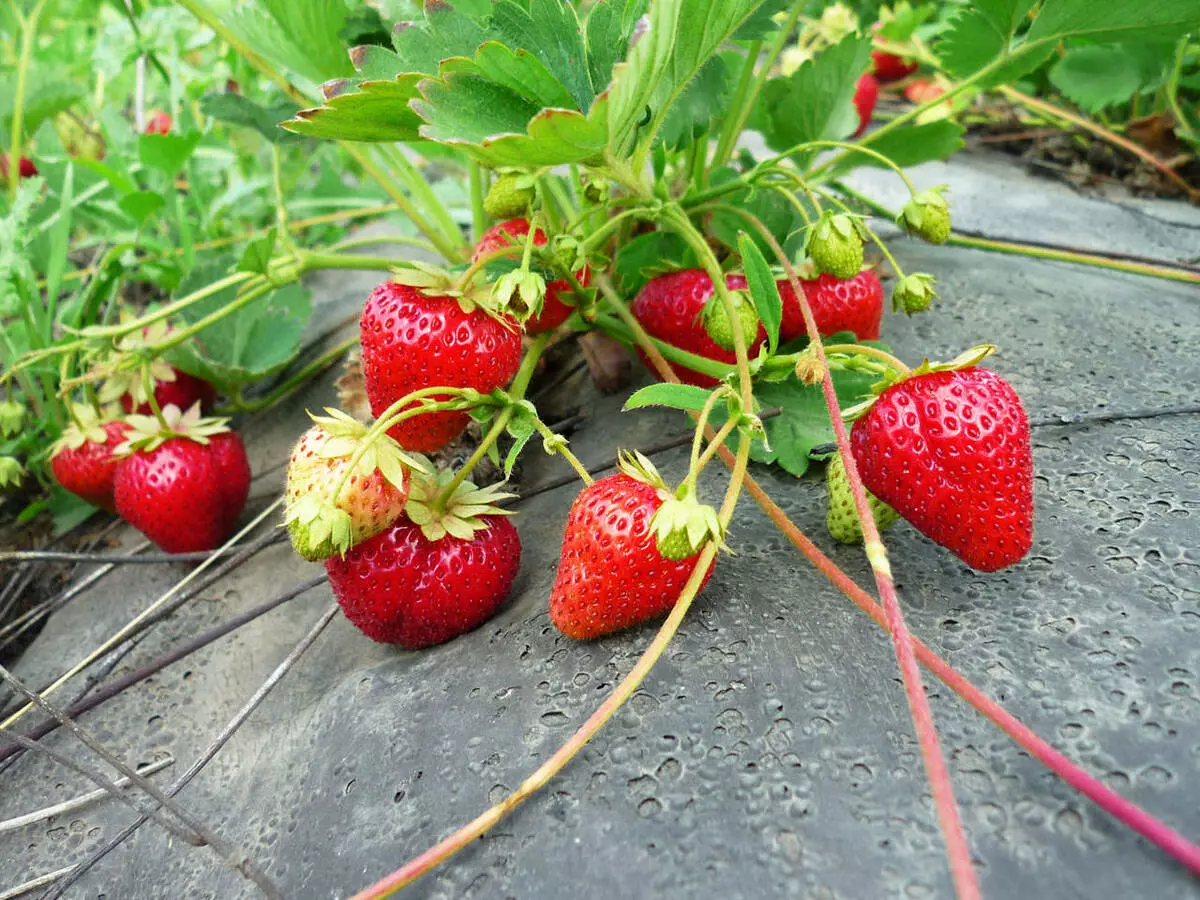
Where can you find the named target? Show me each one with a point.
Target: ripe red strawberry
(368, 499)
(669, 308)
(554, 311)
(422, 585)
(83, 460)
(183, 487)
(158, 123)
(611, 574)
(888, 67)
(851, 304)
(865, 95)
(949, 451)
(411, 340)
(170, 387)
(25, 167)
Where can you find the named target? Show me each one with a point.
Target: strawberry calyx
(11, 472)
(914, 293)
(87, 424)
(125, 370)
(968, 359)
(682, 525)
(12, 414)
(835, 244)
(461, 514)
(437, 282)
(149, 432)
(927, 215)
(639, 467)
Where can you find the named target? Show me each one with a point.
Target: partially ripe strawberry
(850, 304)
(368, 499)
(419, 585)
(842, 518)
(923, 90)
(83, 462)
(866, 92)
(412, 340)
(158, 123)
(184, 486)
(889, 68)
(512, 234)
(949, 450)
(670, 308)
(611, 574)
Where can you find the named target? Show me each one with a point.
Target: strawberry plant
(666, 173)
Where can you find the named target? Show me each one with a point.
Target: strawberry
(83, 462)
(512, 234)
(927, 216)
(419, 585)
(851, 304)
(834, 244)
(158, 123)
(949, 449)
(842, 519)
(612, 574)
(413, 340)
(888, 67)
(670, 307)
(182, 485)
(923, 90)
(509, 195)
(171, 386)
(866, 92)
(369, 499)
(716, 321)
(25, 167)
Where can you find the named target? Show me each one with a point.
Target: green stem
(29, 25)
(866, 151)
(422, 191)
(863, 350)
(1172, 91)
(739, 109)
(400, 239)
(516, 391)
(626, 333)
(698, 439)
(1013, 247)
(715, 444)
(478, 216)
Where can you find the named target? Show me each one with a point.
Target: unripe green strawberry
(927, 215)
(842, 520)
(716, 320)
(914, 293)
(508, 197)
(835, 245)
(368, 499)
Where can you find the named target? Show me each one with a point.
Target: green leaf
(763, 289)
(550, 31)
(981, 32)
(761, 23)
(520, 71)
(1095, 77)
(45, 97)
(141, 205)
(253, 342)
(257, 255)
(365, 27)
(235, 109)
(500, 128)
(676, 396)
(377, 111)
(804, 421)
(910, 145)
(641, 258)
(682, 37)
(167, 152)
(608, 29)
(1115, 20)
(299, 37)
(768, 205)
(816, 101)
(701, 101)
(448, 31)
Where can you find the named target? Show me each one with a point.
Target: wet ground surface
(770, 753)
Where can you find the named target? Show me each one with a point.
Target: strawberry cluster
(180, 479)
